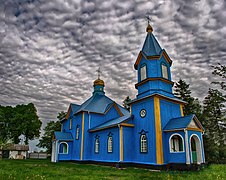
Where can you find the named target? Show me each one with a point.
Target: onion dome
(98, 82)
(149, 29)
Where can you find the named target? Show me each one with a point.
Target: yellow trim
(108, 109)
(154, 79)
(82, 140)
(127, 125)
(181, 110)
(158, 131)
(195, 129)
(68, 113)
(164, 54)
(121, 142)
(161, 97)
(118, 110)
(138, 60)
(181, 129)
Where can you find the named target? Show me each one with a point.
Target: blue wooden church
(154, 132)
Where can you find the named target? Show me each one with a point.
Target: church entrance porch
(196, 153)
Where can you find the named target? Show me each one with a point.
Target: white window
(143, 73)
(164, 71)
(97, 145)
(110, 144)
(77, 132)
(63, 148)
(176, 143)
(70, 126)
(143, 143)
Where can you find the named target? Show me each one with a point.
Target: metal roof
(112, 122)
(99, 104)
(181, 122)
(66, 136)
(151, 46)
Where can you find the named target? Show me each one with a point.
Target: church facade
(154, 131)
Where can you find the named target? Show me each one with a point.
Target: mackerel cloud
(50, 49)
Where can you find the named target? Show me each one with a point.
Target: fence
(38, 155)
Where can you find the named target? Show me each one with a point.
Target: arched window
(110, 141)
(77, 132)
(143, 143)
(165, 71)
(63, 148)
(97, 145)
(176, 143)
(143, 72)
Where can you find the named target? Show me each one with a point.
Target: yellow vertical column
(181, 110)
(158, 131)
(121, 142)
(82, 139)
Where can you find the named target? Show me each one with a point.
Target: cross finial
(148, 18)
(99, 73)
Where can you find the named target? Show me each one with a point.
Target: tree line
(211, 113)
(19, 120)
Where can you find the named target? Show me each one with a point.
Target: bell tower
(153, 68)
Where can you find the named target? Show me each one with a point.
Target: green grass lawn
(44, 169)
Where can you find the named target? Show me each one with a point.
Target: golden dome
(149, 28)
(98, 82)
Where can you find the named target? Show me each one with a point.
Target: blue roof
(113, 122)
(180, 122)
(151, 46)
(74, 107)
(66, 136)
(99, 104)
(153, 94)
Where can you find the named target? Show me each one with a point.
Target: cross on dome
(99, 72)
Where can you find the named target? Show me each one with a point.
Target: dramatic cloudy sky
(50, 49)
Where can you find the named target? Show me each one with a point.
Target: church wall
(111, 114)
(96, 119)
(168, 111)
(87, 137)
(103, 154)
(77, 120)
(128, 144)
(162, 60)
(147, 124)
(173, 157)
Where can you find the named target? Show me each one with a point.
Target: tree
(214, 119)
(19, 120)
(183, 92)
(220, 71)
(213, 116)
(61, 115)
(126, 103)
(46, 140)
(4, 131)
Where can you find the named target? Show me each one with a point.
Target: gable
(192, 124)
(195, 124)
(113, 111)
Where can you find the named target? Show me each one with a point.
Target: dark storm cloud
(50, 50)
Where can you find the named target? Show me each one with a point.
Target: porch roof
(182, 123)
(66, 136)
